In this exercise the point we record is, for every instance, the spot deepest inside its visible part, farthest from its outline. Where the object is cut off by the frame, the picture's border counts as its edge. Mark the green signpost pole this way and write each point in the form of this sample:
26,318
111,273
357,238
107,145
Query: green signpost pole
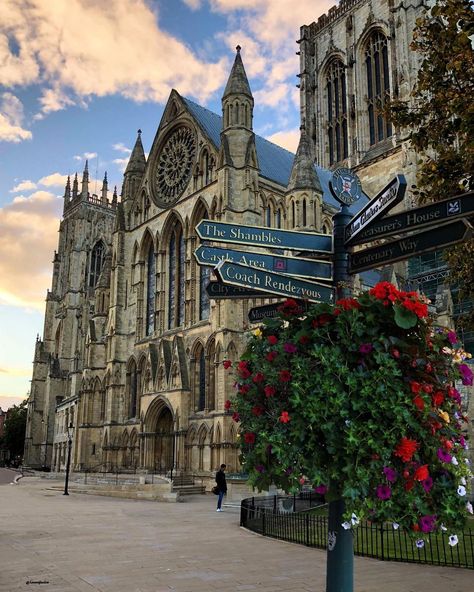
340,550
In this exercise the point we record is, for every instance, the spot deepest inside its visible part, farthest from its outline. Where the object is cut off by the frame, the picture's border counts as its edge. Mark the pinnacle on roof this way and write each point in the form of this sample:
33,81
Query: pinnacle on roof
137,161
238,83
303,174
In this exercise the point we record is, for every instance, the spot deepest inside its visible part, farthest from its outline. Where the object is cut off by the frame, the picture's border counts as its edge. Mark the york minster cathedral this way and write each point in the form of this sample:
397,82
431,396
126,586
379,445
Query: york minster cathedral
132,349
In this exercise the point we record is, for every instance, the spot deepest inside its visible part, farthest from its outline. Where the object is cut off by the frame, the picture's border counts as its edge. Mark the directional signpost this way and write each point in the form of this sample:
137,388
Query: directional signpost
416,244
417,218
259,236
273,283
390,195
295,266
220,291
268,311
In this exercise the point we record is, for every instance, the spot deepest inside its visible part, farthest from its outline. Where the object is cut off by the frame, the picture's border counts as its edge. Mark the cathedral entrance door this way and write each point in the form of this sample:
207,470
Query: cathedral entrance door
164,443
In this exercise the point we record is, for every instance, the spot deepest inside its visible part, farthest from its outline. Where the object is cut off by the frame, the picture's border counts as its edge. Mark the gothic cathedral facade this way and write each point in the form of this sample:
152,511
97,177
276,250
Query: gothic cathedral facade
132,349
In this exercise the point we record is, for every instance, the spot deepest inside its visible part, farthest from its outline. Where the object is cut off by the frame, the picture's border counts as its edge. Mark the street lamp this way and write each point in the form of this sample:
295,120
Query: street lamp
70,430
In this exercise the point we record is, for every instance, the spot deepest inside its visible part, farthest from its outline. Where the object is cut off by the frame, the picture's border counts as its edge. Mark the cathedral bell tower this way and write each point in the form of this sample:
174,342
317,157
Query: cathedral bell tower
238,163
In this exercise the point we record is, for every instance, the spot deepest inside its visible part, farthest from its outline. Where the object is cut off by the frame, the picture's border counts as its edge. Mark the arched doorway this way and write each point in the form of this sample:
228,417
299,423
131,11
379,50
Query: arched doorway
164,442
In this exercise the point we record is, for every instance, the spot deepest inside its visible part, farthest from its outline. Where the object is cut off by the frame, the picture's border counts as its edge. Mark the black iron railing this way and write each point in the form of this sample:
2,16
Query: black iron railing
273,516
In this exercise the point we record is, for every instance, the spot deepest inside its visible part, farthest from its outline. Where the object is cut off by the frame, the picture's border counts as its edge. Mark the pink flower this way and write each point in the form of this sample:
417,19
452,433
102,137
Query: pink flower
427,523
452,338
321,489
290,348
390,474
383,492
444,456
466,374
427,484
365,348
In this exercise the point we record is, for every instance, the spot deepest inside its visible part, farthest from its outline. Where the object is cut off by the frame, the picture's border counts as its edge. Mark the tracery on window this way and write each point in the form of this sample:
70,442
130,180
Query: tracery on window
378,86
150,290
336,111
176,262
97,262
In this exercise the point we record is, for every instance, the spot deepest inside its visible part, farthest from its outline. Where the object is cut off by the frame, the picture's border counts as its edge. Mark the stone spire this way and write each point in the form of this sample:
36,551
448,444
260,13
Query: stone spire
104,189
137,160
85,182
303,173
114,197
67,192
238,83
75,187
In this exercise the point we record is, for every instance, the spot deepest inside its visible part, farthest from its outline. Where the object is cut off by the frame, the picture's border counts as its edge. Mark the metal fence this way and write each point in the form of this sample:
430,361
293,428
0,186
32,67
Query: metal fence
273,516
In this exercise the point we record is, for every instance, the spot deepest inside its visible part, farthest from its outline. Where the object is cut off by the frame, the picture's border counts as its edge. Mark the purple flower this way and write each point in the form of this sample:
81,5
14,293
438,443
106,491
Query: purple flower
466,373
452,338
260,468
427,484
321,489
384,492
443,456
365,348
288,471
390,473
290,348
427,523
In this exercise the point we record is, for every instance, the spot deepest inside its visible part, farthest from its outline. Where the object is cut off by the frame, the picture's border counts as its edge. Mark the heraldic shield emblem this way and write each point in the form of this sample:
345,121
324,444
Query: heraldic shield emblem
345,186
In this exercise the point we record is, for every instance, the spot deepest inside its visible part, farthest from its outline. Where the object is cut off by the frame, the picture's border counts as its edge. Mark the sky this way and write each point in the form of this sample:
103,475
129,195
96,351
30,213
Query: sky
78,78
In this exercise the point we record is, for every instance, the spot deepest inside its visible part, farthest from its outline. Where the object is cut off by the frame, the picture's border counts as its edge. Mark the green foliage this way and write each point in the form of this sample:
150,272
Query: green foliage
15,427
336,399
440,118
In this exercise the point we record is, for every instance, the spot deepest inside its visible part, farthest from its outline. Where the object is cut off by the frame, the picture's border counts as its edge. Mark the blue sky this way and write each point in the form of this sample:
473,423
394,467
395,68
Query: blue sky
77,79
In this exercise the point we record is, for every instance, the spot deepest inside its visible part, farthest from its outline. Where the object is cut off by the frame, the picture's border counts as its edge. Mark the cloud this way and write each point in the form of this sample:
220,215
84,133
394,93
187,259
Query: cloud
53,180
193,4
7,401
120,50
120,147
287,139
11,119
121,163
25,185
28,233
85,156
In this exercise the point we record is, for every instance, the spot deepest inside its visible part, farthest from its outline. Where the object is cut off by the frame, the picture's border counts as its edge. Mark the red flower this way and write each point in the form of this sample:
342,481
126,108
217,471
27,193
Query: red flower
415,387
437,399
409,485
236,416
272,339
385,291
249,438
419,402
271,355
322,320
304,339
284,417
227,405
243,370
227,364
421,473
259,377
244,388
395,353
347,303
285,376
269,391
448,445
415,527
406,449
428,388
257,410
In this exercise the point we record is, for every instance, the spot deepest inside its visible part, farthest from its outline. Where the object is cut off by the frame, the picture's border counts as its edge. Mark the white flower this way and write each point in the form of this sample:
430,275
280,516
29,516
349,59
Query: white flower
346,525
461,490
463,481
395,525
454,461
420,543
354,520
469,507
453,540
443,528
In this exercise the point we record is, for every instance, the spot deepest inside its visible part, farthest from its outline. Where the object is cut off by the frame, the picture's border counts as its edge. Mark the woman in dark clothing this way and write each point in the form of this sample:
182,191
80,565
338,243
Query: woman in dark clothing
221,486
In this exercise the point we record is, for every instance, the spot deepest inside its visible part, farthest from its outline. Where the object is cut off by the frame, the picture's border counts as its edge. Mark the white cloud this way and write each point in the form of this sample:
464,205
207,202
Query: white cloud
120,147
25,185
193,4
11,119
119,49
53,180
85,156
121,163
28,233
287,139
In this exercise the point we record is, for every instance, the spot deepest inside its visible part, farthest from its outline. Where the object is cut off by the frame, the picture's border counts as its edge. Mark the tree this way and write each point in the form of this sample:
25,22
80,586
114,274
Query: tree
15,427
440,118
358,400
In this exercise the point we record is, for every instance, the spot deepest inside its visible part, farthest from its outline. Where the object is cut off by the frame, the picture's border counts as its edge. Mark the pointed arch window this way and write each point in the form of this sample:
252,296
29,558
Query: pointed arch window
304,212
150,290
133,387
278,218
202,381
204,306
268,216
336,111
176,261
378,86
293,214
97,262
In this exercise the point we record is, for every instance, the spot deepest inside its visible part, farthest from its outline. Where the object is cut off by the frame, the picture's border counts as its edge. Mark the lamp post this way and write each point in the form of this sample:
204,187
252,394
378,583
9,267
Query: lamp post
70,429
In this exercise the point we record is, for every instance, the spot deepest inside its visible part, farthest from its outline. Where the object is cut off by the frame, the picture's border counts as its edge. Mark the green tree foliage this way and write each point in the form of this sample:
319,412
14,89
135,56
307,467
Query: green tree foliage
15,427
440,118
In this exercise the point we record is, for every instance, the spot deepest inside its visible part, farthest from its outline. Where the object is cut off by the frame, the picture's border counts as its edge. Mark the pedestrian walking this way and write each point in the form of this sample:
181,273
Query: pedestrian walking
221,486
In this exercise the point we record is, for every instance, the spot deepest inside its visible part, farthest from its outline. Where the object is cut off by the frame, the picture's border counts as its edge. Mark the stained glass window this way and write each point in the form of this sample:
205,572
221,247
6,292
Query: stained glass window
336,111
378,86
97,261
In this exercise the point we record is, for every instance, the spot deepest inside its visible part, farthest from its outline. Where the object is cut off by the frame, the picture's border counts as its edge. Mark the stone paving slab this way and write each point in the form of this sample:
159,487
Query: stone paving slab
86,543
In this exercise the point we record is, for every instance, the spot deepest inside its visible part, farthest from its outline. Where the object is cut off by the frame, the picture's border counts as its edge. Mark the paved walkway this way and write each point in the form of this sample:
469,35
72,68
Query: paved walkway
84,543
